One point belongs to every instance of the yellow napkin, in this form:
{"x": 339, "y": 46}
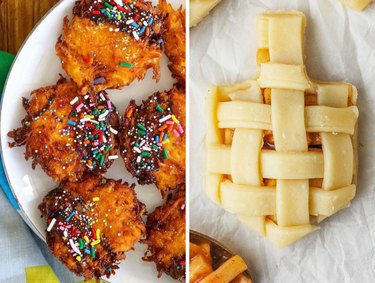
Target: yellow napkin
{"x": 40, "y": 274}
{"x": 43, "y": 274}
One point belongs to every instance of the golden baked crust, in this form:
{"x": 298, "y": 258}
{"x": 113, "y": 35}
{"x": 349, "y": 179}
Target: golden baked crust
{"x": 101, "y": 52}
{"x": 166, "y": 237}
{"x": 57, "y": 140}
{"x": 174, "y": 36}
{"x": 95, "y": 214}
{"x": 156, "y": 155}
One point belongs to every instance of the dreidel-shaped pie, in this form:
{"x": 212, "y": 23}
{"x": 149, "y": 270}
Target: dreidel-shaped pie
{"x": 281, "y": 148}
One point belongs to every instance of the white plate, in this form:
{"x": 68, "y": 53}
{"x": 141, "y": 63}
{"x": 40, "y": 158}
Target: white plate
{"x": 37, "y": 65}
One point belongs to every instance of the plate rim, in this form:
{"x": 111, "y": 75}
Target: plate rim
{"x": 21, "y": 211}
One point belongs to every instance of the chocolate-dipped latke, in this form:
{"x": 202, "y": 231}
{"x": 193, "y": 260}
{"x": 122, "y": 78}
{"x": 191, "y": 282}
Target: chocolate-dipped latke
{"x": 110, "y": 44}
{"x": 166, "y": 235}
{"x": 174, "y": 37}
{"x": 152, "y": 140}
{"x": 92, "y": 223}
{"x": 67, "y": 133}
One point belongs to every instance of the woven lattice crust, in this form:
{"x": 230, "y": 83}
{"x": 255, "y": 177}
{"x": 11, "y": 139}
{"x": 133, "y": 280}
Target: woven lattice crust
{"x": 281, "y": 149}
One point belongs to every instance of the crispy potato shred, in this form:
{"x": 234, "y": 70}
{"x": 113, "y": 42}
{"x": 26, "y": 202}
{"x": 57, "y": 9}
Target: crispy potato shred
{"x": 53, "y": 137}
{"x": 95, "y": 221}
{"x": 156, "y": 154}
{"x": 174, "y": 35}
{"x": 166, "y": 237}
{"x": 166, "y": 230}
{"x": 94, "y": 55}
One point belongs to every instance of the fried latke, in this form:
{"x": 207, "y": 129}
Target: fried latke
{"x": 174, "y": 36}
{"x": 166, "y": 237}
{"x": 92, "y": 223}
{"x": 152, "y": 140}
{"x": 109, "y": 46}
{"x": 66, "y": 133}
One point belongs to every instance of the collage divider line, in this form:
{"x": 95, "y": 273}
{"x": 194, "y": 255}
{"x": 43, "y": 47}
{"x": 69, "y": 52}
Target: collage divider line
{"x": 187, "y": 122}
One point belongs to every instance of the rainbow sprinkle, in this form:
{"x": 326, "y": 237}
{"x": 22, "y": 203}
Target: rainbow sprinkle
{"x": 125, "y": 64}
{"x": 69, "y": 218}
{"x": 152, "y": 133}
{"x": 127, "y": 16}
{"x": 90, "y": 123}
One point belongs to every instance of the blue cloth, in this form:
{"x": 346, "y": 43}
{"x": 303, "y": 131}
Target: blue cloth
{"x": 6, "y": 189}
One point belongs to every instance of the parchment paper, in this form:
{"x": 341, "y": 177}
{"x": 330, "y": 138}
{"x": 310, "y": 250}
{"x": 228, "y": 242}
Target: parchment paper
{"x": 340, "y": 45}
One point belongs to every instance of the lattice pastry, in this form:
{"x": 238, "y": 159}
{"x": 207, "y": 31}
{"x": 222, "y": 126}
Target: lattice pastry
{"x": 358, "y": 5}
{"x": 281, "y": 149}
{"x": 200, "y": 9}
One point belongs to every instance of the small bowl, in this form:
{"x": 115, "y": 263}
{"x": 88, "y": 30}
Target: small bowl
{"x": 219, "y": 252}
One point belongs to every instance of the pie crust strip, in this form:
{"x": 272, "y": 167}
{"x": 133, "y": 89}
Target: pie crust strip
{"x": 261, "y": 201}
{"x": 242, "y": 114}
